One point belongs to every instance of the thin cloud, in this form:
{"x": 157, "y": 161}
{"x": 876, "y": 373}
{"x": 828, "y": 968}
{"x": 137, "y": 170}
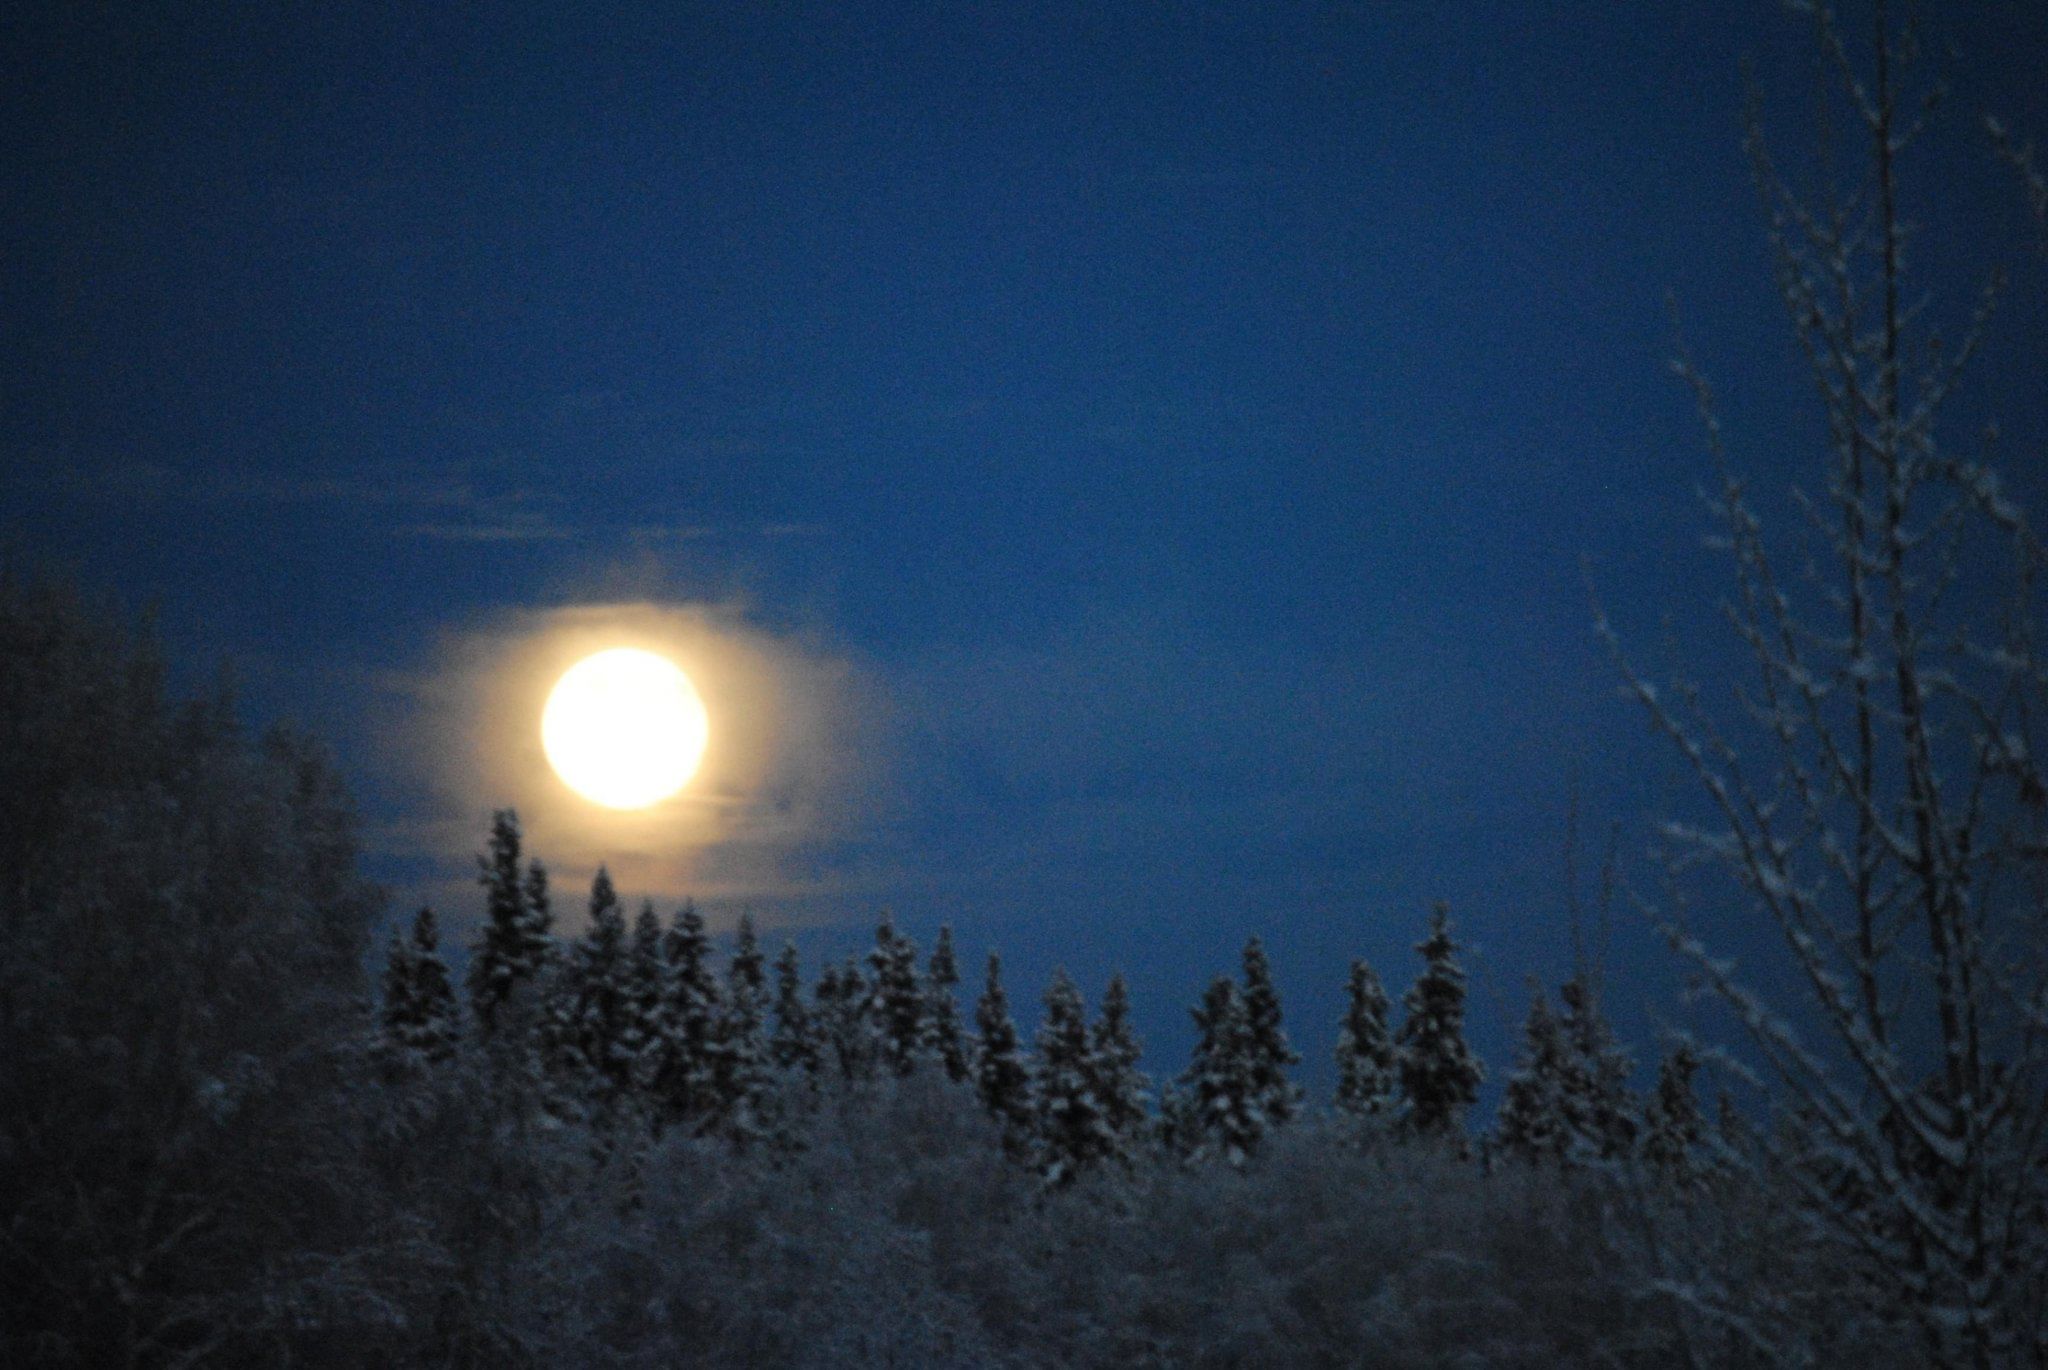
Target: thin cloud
{"x": 535, "y": 529}
{"x": 410, "y": 487}
{"x": 797, "y": 770}
{"x": 671, "y": 532}
{"x": 453, "y": 504}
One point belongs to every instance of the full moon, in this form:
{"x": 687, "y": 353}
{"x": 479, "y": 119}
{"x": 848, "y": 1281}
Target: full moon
{"x": 624, "y": 728}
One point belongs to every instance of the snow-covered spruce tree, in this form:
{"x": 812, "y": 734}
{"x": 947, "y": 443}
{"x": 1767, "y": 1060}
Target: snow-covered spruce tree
{"x": 844, "y": 1021}
{"x": 1179, "y": 1132}
{"x": 1120, "y": 1087}
{"x": 551, "y": 1058}
{"x": 1531, "y": 1124}
{"x": 1001, "y": 1080}
{"x": 540, "y": 913}
{"x": 680, "y": 1075}
{"x": 824, "y": 1014}
{"x": 543, "y": 959}
{"x": 514, "y": 943}
{"x": 1882, "y": 805}
{"x": 1278, "y": 1097}
{"x": 397, "y": 1012}
{"x": 793, "y": 1044}
{"x": 828, "y": 1012}
{"x": 1599, "y": 1110}
{"x": 1073, "y": 1132}
{"x": 741, "y": 1065}
{"x": 419, "y": 1016}
{"x": 1439, "y": 1074}
{"x": 1217, "y": 1099}
{"x": 895, "y": 1005}
{"x": 1672, "y": 1127}
{"x": 646, "y": 984}
{"x": 599, "y": 995}
{"x": 1368, "y": 1085}
{"x": 943, "y": 1040}
{"x": 439, "y": 1015}
{"x": 746, "y": 974}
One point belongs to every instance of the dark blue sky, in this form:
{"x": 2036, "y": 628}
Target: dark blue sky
{"x": 1185, "y": 422}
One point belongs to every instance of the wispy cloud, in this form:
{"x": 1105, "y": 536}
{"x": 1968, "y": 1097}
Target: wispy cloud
{"x": 480, "y": 504}
{"x": 413, "y": 486}
{"x": 694, "y": 532}
{"x": 531, "y": 529}
{"x": 796, "y": 771}
{"x": 670, "y": 532}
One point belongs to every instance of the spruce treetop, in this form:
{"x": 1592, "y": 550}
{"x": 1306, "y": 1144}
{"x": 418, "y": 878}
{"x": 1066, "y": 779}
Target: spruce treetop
{"x": 540, "y": 914}
{"x": 513, "y": 945}
{"x": 741, "y": 1058}
{"x": 1266, "y": 1040}
{"x": 1367, "y": 1077}
{"x": 794, "y": 1043}
{"x": 1113, "y": 1058}
{"x": 1073, "y": 1133}
{"x": 1221, "y": 1113}
{"x": 607, "y": 918}
{"x": 1000, "y": 1080}
{"x": 430, "y": 975}
{"x": 747, "y": 971}
{"x": 597, "y": 999}
{"x": 844, "y": 1020}
{"x": 1531, "y": 1125}
{"x": 419, "y": 1014}
{"x": 1599, "y": 1107}
{"x": 896, "y": 1003}
{"x": 1439, "y": 1074}
{"x": 943, "y": 970}
{"x": 647, "y": 977}
{"x": 942, "y": 1036}
{"x": 1672, "y": 1124}
{"x": 398, "y": 981}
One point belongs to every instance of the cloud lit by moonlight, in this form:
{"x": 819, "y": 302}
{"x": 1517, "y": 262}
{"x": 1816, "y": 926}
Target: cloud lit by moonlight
{"x": 700, "y": 755}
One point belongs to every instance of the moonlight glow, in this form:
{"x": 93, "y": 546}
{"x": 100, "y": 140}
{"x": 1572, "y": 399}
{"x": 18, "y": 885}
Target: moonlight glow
{"x": 624, "y": 728}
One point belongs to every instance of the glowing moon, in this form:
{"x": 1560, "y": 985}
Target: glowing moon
{"x": 624, "y": 728}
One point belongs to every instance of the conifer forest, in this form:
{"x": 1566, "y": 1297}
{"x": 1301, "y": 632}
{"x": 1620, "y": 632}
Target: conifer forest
{"x": 253, "y": 1115}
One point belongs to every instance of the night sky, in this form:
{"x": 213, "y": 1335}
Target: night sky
{"x": 1135, "y": 471}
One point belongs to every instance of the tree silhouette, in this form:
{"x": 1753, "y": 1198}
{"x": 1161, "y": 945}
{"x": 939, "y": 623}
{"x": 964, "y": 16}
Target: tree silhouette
{"x": 514, "y": 943}
{"x": 1001, "y": 1080}
{"x": 1368, "y": 1084}
{"x": 1439, "y": 1074}
{"x": 419, "y": 1013}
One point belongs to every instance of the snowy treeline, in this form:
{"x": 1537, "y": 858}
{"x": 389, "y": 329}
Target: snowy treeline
{"x": 648, "y": 1063}
{"x": 645, "y": 1145}
{"x": 632, "y": 1034}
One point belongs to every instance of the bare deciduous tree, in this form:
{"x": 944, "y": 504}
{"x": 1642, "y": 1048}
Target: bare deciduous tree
{"x": 1878, "y": 795}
